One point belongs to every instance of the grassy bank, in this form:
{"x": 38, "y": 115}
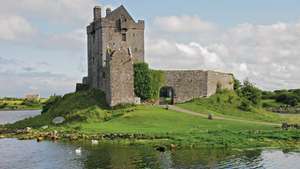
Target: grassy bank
{"x": 86, "y": 114}
{"x": 21, "y": 104}
{"x": 227, "y": 104}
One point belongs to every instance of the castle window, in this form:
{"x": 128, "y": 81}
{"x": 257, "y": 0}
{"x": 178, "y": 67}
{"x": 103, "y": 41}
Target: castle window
{"x": 133, "y": 34}
{"x": 103, "y": 75}
{"x": 123, "y": 36}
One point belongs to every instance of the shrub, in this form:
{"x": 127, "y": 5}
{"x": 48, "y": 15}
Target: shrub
{"x": 50, "y": 102}
{"x": 287, "y": 98}
{"x": 142, "y": 81}
{"x": 251, "y": 93}
{"x": 245, "y": 105}
{"x": 236, "y": 84}
{"x": 28, "y": 102}
{"x": 147, "y": 83}
{"x": 157, "y": 81}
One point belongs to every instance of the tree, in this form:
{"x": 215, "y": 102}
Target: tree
{"x": 250, "y": 92}
{"x": 142, "y": 81}
{"x": 236, "y": 84}
{"x": 287, "y": 98}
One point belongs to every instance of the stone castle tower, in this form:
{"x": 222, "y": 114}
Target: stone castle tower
{"x": 115, "y": 42}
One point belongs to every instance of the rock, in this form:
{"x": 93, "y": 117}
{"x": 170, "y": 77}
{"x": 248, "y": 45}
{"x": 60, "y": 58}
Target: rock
{"x": 285, "y": 126}
{"x": 161, "y": 149}
{"x": 58, "y": 120}
{"x": 39, "y": 139}
{"x": 44, "y": 127}
{"x": 210, "y": 117}
{"x": 28, "y": 129}
{"x": 173, "y": 146}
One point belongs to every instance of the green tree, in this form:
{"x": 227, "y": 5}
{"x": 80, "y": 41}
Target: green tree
{"x": 236, "y": 84}
{"x": 142, "y": 81}
{"x": 250, "y": 92}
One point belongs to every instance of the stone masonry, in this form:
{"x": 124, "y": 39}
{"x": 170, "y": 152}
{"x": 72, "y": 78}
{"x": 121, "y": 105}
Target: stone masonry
{"x": 116, "y": 42}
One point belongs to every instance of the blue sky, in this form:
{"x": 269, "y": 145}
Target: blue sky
{"x": 43, "y": 48}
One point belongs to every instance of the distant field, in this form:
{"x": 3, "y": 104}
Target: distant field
{"x": 21, "y": 104}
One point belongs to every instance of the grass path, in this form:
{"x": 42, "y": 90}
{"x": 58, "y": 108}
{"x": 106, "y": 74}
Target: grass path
{"x": 179, "y": 109}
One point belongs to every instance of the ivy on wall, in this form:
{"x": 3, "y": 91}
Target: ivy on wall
{"x": 147, "y": 82}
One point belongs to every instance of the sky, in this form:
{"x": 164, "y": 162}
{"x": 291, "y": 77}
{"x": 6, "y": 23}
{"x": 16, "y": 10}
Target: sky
{"x": 43, "y": 42}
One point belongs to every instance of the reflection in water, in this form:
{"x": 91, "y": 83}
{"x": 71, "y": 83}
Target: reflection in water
{"x": 15, "y": 154}
{"x": 48, "y": 155}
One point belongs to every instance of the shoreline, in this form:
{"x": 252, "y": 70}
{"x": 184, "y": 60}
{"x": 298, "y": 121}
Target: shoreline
{"x": 140, "y": 139}
{"x": 5, "y": 110}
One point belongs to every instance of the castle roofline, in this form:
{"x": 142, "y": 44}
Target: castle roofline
{"x": 117, "y": 10}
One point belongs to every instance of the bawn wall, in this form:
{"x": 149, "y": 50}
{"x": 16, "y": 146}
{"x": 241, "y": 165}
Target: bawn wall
{"x": 190, "y": 84}
{"x": 187, "y": 84}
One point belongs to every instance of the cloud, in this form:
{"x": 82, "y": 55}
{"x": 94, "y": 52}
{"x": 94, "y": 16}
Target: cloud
{"x": 72, "y": 41}
{"x": 266, "y": 54}
{"x": 44, "y": 83}
{"x": 183, "y": 24}
{"x": 60, "y": 11}
{"x": 14, "y": 27}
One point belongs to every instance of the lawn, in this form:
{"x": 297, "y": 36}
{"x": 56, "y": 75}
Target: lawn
{"x": 85, "y": 113}
{"x": 226, "y": 104}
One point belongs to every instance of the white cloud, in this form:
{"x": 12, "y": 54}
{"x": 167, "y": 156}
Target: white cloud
{"x": 44, "y": 83}
{"x": 266, "y": 54}
{"x": 14, "y": 27}
{"x": 54, "y": 10}
{"x": 183, "y": 24}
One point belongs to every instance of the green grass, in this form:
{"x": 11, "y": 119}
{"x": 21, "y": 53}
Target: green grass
{"x": 18, "y": 104}
{"x": 85, "y": 113}
{"x": 226, "y": 104}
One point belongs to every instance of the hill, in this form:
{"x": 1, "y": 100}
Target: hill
{"x": 86, "y": 114}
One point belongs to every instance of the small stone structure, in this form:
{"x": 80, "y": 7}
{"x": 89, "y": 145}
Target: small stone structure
{"x": 116, "y": 42}
{"x": 190, "y": 84}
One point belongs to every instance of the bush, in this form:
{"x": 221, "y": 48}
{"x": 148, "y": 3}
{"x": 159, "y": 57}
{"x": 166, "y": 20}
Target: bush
{"x": 157, "y": 81}
{"x": 251, "y": 93}
{"x": 287, "y": 98}
{"x": 236, "y": 84}
{"x": 50, "y": 102}
{"x": 3, "y": 105}
{"x": 28, "y": 102}
{"x": 142, "y": 81}
{"x": 147, "y": 83}
{"x": 245, "y": 105}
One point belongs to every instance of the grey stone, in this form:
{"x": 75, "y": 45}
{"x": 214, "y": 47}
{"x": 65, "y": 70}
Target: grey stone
{"x": 58, "y": 120}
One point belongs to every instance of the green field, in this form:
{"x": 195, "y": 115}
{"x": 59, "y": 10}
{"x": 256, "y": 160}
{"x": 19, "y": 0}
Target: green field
{"x": 85, "y": 113}
{"x": 21, "y": 104}
{"x": 226, "y": 104}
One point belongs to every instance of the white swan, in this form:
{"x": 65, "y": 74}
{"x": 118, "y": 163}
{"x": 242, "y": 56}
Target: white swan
{"x": 95, "y": 142}
{"x": 78, "y": 151}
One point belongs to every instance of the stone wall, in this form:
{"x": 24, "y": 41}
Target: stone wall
{"x": 190, "y": 84}
{"x": 225, "y": 81}
{"x": 186, "y": 84}
{"x": 120, "y": 78}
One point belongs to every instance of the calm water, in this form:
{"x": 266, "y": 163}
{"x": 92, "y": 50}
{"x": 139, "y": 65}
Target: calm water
{"x": 13, "y": 116}
{"x": 15, "y": 154}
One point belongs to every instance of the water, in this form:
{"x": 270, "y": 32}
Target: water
{"x": 16, "y": 154}
{"x": 13, "y": 116}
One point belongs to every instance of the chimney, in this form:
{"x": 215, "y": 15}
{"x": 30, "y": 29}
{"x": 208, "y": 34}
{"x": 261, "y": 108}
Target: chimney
{"x": 97, "y": 13}
{"x": 108, "y": 11}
